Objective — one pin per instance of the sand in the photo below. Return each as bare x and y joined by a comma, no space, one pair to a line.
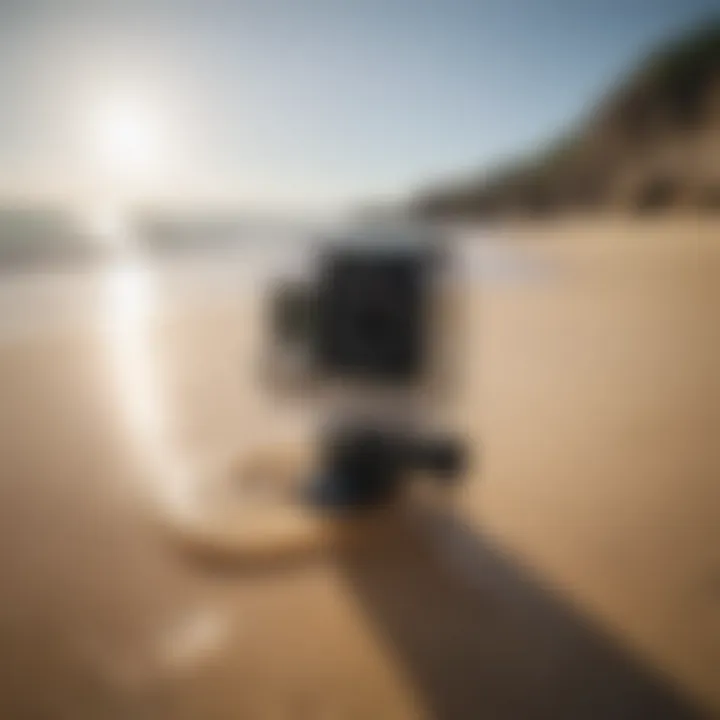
581,577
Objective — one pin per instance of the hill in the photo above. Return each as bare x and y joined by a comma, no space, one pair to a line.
652,143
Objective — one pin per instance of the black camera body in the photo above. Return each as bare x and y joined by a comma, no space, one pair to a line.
365,315
372,313
371,319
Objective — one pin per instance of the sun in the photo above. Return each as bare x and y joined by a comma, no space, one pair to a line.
125,140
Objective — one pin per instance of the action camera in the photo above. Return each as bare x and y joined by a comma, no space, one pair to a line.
364,321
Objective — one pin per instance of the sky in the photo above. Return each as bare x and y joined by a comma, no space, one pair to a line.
301,101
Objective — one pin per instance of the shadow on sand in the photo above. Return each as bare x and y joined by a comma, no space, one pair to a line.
480,638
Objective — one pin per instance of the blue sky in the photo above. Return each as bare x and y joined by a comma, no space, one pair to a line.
309,100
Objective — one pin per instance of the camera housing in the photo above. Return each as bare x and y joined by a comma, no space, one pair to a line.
369,326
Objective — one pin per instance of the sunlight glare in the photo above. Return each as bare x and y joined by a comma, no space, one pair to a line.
129,311
126,139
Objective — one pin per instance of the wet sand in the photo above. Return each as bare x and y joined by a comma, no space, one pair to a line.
582,579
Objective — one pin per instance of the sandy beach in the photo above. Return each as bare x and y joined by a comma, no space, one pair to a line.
581,579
